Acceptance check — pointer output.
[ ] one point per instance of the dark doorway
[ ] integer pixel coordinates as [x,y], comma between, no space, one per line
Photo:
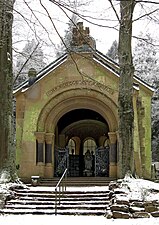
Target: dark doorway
[80,128]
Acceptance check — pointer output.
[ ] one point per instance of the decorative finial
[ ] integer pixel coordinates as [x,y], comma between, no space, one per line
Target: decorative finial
[81,39]
[32,75]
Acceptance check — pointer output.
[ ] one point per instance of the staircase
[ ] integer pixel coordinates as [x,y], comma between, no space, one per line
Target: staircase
[80,198]
[75,201]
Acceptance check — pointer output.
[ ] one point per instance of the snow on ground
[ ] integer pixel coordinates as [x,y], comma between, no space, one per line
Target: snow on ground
[135,189]
[72,220]
[140,189]
[96,188]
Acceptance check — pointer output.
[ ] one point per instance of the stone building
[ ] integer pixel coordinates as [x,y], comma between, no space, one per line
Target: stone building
[71,107]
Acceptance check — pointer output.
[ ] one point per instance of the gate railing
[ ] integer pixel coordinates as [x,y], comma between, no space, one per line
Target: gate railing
[61,160]
[60,188]
[102,161]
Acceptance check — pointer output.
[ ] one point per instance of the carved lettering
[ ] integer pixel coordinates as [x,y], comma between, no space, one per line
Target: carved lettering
[84,83]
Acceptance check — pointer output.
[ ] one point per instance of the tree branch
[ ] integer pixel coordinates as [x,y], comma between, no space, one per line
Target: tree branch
[144,1]
[39,22]
[114,10]
[147,14]
[145,40]
[25,63]
[81,16]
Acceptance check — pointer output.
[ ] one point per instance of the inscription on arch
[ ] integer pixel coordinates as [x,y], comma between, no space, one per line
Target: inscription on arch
[84,83]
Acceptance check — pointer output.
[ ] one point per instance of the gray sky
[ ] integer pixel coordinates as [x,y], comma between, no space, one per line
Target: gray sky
[99,12]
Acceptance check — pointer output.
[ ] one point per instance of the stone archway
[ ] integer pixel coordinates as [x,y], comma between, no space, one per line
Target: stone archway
[74,99]
[69,100]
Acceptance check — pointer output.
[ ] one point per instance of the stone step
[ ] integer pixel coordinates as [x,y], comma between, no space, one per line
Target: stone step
[61,206]
[65,195]
[75,201]
[64,199]
[74,184]
[78,181]
[71,196]
[66,202]
[51,212]
[68,190]
[52,192]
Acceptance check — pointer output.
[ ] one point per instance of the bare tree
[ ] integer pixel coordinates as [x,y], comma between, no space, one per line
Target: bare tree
[7,149]
[125,99]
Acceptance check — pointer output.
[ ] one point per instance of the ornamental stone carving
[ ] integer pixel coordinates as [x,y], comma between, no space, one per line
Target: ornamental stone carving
[40,136]
[49,138]
[81,39]
[112,137]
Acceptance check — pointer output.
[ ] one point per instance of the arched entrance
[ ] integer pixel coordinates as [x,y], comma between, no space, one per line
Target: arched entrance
[78,115]
[81,137]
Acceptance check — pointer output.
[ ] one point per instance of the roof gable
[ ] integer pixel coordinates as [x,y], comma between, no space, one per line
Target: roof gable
[97,56]
[81,43]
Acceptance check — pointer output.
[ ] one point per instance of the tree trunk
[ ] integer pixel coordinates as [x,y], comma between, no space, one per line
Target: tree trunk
[125,99]
[7,149]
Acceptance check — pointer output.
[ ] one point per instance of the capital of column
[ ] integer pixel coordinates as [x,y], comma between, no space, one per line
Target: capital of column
[40,136]
[49,138]
[112,137]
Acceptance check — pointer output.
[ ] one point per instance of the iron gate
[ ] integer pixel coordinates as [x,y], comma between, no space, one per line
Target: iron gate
[61,160]
[102,161]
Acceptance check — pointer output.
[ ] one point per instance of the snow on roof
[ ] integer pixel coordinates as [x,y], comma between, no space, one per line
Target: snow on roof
[42,73]
[114,68]
[99,57]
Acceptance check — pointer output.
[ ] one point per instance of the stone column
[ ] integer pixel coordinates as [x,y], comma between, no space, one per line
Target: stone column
[40,137]
[49,138]
[48,151]
[113,154]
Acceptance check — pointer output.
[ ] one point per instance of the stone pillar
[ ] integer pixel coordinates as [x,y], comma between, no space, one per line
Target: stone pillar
[40,137]
[49,138]
[113,154]
[48,150]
